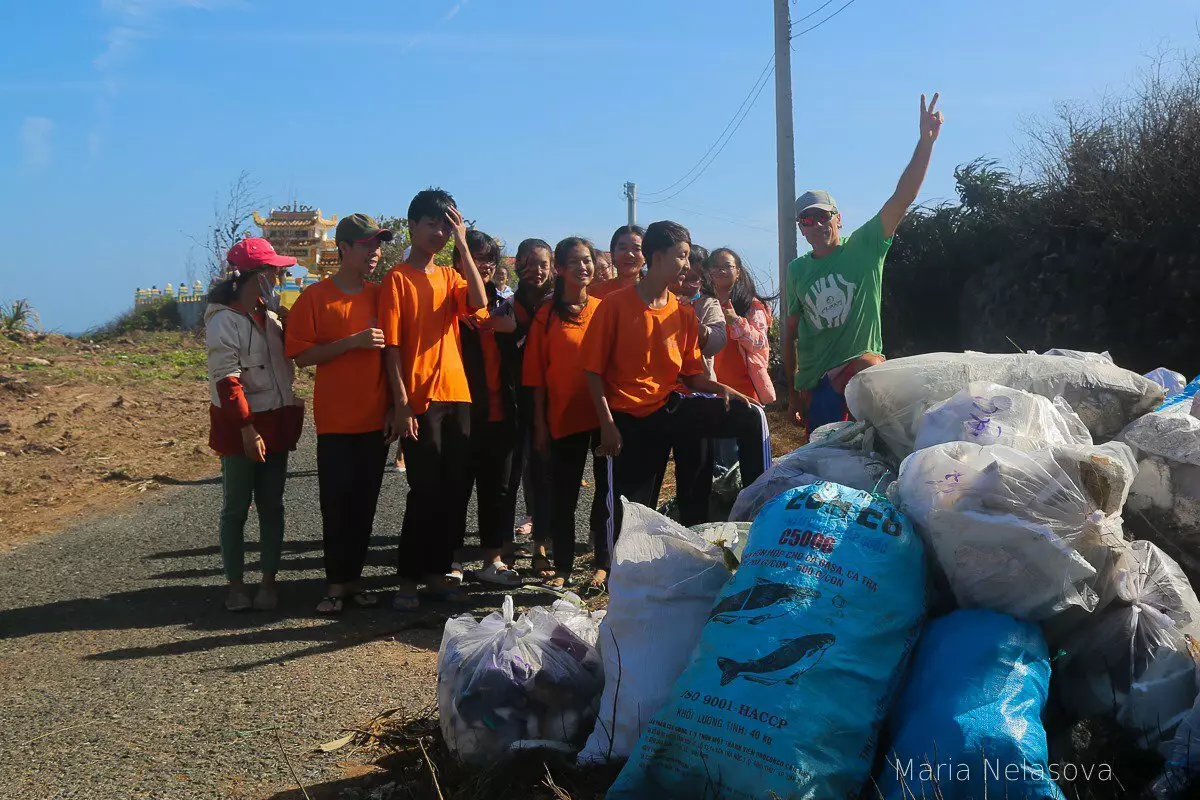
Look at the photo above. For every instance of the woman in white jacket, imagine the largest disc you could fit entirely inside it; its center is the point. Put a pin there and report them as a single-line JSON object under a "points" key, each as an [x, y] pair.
{"points": [[255, 419]]}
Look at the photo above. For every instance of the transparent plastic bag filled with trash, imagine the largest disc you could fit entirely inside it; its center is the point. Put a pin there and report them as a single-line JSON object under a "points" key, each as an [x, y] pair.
{"points": [[505, 683], [1031, 534], [894, 396]]}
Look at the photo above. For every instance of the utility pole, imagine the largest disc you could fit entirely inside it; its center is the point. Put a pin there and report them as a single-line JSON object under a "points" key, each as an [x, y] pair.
{"points": [[785, 145], [631, 198]]}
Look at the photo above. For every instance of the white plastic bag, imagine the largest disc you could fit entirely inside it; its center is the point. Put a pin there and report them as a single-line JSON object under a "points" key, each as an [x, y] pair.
{"points": [[985, 413], [503, 681], [663, 583], [893, 396], [1135, 660], [572, 613], [1171, 381], [843, 455], [1181, 774], [1083, 355], [1025, 534]]}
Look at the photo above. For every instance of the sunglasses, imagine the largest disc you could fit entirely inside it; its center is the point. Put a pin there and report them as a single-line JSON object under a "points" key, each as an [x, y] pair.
{"points": [[810, 219]]}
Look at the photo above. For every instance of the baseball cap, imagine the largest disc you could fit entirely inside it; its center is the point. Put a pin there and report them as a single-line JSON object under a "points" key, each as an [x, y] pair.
{"points": [[361, 228], [817, 198], [253, 253]]}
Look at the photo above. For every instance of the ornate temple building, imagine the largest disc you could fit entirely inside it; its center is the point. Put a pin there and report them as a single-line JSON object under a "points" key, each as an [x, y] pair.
{"points": [[301, 232]]}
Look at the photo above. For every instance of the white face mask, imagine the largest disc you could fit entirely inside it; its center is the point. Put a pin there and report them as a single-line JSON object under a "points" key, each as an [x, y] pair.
{"points": [[270, 293]]}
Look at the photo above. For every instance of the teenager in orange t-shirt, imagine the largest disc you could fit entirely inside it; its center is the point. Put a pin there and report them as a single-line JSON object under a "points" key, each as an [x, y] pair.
{"points": [[565, 422], [626, 248], [334, 326], [419, 307], [640, 345], [489, 350]]}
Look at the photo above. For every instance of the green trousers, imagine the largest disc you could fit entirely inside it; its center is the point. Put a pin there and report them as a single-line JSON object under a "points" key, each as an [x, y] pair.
{"points": [[242, 481]]}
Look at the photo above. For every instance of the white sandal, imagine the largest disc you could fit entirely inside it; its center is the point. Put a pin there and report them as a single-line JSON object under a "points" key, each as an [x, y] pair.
{"points": [[451, 576], [500, 574]]}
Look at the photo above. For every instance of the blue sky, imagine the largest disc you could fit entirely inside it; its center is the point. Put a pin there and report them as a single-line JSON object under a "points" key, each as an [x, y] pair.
{"points": [[121, 121]]}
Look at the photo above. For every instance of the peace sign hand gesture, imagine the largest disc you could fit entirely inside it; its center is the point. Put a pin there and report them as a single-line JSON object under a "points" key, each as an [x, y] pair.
{"points": [[931, 120]]}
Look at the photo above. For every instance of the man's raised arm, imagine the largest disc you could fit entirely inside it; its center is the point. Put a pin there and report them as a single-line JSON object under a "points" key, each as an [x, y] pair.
{"points": [[914, 174]]}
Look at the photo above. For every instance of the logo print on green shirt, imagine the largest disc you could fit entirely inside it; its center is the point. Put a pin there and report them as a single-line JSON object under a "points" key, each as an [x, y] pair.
{"points": [[828, 302]]}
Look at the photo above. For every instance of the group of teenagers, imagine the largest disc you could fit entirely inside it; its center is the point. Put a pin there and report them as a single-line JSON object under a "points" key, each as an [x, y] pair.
{"points": [[488, 389]]}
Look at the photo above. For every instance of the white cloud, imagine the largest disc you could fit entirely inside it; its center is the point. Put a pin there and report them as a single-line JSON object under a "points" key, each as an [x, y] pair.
{"points": [[120, 42], [37, 147]]}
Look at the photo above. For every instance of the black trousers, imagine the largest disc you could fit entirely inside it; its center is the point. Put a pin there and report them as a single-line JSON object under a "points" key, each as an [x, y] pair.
{"points": [[568, 456], [349, 478], [488, 470], [436, 461], [684, 424], [531, 469]]}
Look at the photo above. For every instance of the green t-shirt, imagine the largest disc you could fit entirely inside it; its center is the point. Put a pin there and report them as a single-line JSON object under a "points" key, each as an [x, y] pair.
{"points": [[837, 300]]}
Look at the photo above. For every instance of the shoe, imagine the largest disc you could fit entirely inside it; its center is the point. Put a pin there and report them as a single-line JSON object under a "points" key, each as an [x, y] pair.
{"points": [[266, 599], [525, 528], [237, 600], [330, 606], [499, 574]]}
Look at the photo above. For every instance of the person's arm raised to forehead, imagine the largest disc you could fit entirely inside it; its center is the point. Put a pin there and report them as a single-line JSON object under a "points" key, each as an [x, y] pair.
{"points": [[914, 174], [476, 291]]}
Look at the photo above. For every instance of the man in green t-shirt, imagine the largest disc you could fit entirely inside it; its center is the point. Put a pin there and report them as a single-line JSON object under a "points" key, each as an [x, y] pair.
{"points": [[832, 295]]}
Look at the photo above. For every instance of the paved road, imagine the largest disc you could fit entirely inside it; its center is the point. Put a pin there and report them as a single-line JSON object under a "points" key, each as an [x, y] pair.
{"points": [[122, 676]]}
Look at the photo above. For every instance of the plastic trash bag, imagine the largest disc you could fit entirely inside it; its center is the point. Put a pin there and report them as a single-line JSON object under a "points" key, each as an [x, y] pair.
{"points": [[1025, 534], [786, 691], [1083, 355], [968, 724], [842, 454], [1171, 381], [1180, 778], [730, 536], [985, 413], [1165, 499], [662, 585], [893, 396], [1136, 659], [573, 614], [503, 681]]}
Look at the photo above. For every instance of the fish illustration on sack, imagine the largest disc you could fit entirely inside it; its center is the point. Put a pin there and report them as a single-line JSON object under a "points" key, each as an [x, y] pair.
{"points": [[785, 665], [768, 598]]}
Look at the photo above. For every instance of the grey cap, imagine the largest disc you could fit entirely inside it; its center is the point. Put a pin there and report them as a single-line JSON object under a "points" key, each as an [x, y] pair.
{"points": [[816, 199]]}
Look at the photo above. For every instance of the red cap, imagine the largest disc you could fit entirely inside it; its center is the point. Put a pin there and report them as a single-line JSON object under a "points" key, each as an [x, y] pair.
{"points": [[251, 254]]}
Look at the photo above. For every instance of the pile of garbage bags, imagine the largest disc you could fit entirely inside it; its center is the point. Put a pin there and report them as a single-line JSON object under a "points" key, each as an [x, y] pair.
{"points": [[903, 606]]}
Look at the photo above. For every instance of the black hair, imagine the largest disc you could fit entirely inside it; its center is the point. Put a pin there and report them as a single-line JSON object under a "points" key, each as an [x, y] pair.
{"points": [[744, 291], [636, 230], [524, 249], [661, 236], [558, 307], [226, 291], [431, 202], [479, 242]]}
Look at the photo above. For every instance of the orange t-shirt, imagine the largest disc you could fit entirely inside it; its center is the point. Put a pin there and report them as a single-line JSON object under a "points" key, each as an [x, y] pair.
{"points": [[552, 360], [418, 312], [730, 366], [641, 352], [605, 288], [351, 393], [491, 369]]}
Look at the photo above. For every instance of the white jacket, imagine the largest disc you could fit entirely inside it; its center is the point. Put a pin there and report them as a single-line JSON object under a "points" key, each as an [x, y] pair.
{"points": [[238, 347]]}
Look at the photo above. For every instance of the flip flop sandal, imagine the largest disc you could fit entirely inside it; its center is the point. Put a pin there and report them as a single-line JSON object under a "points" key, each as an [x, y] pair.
{"points": [[543, 567], [450, 576], [520, 551], [525, 528], [498, 574], [405, 602], [596, 588], [334, 606], [364, 600], [448, 594], [559, 584]]}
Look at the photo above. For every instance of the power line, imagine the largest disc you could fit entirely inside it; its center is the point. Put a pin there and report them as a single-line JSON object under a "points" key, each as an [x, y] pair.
{"points": [[812, 13], [717, 141], [822, 22], [757, 91], [716, 216]]}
